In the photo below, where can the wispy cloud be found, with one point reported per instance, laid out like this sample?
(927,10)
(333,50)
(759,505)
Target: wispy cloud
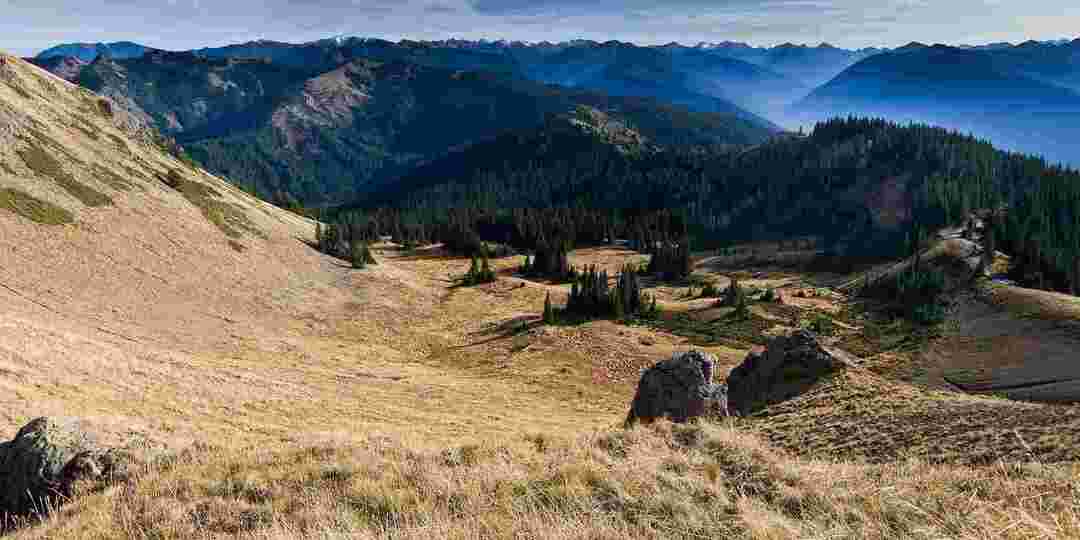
(29,25)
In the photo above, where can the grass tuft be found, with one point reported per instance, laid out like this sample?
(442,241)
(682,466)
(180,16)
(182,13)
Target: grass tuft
(42,163)
(230,218)
(32,208)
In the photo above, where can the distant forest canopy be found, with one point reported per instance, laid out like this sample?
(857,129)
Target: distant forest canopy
(862,186)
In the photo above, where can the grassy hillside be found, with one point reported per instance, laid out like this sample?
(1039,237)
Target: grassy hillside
(277,393)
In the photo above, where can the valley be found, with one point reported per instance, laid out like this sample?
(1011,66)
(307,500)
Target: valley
(475,254)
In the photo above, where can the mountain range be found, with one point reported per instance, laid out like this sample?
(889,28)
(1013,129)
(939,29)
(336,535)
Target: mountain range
(322,120)
(1023,97)
(287,125)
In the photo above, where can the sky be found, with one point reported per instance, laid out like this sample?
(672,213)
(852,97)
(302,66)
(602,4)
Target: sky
(28,26)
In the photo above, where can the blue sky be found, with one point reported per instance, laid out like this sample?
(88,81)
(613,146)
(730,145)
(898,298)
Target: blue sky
(27,26)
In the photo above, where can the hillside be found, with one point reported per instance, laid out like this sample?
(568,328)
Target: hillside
(278,393)
(689,77)
(322,136)
(970,90)
(88,52)
(811,65)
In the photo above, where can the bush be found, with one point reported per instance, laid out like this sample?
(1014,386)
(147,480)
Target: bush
(479,271)
(918,295)
(821,325)
(710,290)
(769,296)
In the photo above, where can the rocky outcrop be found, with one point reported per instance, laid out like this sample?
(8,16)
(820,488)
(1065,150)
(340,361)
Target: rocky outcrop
(47,461)
(788,366)
(680,389)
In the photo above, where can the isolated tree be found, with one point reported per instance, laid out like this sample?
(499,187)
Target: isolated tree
(549,311)
(365,253)
(356,253)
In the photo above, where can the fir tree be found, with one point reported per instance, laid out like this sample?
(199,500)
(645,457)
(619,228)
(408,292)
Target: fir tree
(549,312)
(357,253)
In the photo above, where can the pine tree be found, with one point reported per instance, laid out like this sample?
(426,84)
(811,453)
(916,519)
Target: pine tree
(365,252)
(486,274)
(549,312)
(357,254)
(473,276)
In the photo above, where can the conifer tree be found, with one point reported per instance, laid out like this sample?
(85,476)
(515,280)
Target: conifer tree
(357,253)
(549,312)
(365,252)
(486,274)
(473,276)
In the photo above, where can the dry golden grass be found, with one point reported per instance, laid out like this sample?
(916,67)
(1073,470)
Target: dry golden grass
(661,481)
(304,399)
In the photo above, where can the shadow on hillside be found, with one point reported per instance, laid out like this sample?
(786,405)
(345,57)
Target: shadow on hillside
(504,330)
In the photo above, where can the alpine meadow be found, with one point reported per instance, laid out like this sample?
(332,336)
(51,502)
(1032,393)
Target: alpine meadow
(486,269)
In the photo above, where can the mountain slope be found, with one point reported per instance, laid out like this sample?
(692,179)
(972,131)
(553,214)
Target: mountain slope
(88,52)
(322,135)
(811,66)
(700,82)
(963,89)
(113,248)
(279,393)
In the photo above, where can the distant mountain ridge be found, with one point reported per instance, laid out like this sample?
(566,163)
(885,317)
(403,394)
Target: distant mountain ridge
(1025,97)
(213,99)
(88,52)
(321,134)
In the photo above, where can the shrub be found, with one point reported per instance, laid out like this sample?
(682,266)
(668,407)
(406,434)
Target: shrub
(479,270)
(918,295)
(821,325)
(710,290)
(769,296)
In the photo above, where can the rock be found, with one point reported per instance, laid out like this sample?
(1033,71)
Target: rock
(679,388)
(45,462)
(789,365)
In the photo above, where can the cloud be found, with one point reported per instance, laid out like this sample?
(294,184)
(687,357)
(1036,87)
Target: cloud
(30,25)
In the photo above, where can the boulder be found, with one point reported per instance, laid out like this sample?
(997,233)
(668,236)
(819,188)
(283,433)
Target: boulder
(789,365)
(680,389)
(45,463)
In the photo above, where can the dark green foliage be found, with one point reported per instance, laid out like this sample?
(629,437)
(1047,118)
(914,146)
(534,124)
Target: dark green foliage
(917,295)
(43,163)
(829,186)
(549,311)
(733,295)
(357,255)
(366,255)
(479,270)
(32,208)
(821,325)
(769,296)
(591,296)
(421,108)
(742,306)
(670,261)
(710,290)
(788,187)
